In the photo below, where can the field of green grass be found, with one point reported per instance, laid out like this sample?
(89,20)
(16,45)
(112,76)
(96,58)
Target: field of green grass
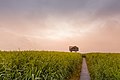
(38,65)
(103,66)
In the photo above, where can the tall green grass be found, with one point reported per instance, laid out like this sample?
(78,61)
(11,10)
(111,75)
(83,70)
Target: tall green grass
(104,66)
(38,65)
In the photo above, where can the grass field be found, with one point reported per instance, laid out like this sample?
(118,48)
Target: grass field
(38,65)
(104,66)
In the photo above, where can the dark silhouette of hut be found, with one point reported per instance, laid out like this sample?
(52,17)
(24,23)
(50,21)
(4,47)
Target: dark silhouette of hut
(73,48)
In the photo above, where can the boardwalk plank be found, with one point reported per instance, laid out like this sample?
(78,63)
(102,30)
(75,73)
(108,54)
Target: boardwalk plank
(84,72)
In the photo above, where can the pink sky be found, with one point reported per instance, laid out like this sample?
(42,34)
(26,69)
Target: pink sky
(93,27)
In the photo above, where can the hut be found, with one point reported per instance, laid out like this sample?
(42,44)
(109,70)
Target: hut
(73,48)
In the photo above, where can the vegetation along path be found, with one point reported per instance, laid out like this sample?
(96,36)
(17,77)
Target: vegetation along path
(84,72)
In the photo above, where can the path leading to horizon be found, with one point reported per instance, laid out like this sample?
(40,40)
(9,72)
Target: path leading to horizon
(84,72)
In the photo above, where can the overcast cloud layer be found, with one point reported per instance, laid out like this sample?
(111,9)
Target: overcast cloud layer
(93,25)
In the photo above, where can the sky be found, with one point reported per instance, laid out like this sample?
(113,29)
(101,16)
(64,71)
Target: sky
(92,25)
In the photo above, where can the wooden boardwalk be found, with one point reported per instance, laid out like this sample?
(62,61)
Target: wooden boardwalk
(84,72)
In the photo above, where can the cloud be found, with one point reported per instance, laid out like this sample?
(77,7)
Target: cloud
(109,10)
(93,25)
(42,5)
(12,41)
